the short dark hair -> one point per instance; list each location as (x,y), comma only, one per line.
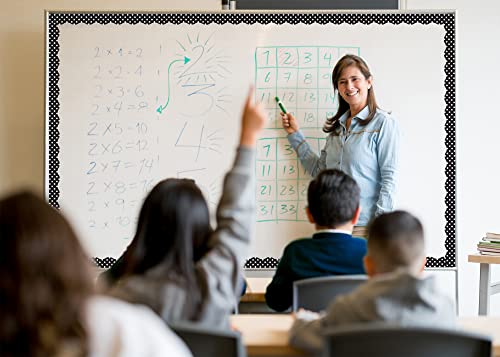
(396,240)
(333,198)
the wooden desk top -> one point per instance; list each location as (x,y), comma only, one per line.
(265,335)
(256,290)
(268,334)
(488,259)
(486,325)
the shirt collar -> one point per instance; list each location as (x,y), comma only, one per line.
(343,231)
(362,115)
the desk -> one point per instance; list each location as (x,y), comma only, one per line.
(256,290)
(254,300)
(267,335)
(486,288)
(486,325)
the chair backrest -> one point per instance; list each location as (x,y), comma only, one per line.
(315,294)
(208,342)
(377,340)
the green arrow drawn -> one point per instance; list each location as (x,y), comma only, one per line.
(161,108)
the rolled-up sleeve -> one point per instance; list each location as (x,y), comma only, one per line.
(387,156)
(308,157)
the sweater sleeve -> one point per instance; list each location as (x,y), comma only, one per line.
(279,293)
(222,265)
(307,335)
(387,156)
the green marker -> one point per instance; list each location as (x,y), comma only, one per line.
(282,107)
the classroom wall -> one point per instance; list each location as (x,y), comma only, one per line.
(478,171)
(22,101)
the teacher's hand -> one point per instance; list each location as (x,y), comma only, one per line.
(289,123)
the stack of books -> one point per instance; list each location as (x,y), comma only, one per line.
(490,244)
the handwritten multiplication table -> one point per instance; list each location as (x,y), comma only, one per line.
(281,180)
(301,77)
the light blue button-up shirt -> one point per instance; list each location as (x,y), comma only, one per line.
(369,154)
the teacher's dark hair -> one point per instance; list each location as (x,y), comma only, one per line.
(173,232)
(346,61)
(45,280)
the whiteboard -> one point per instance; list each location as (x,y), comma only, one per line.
(134,98)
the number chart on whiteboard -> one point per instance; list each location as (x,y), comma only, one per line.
(136,98)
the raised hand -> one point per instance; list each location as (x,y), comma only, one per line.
(252,121)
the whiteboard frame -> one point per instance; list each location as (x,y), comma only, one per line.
(443,17)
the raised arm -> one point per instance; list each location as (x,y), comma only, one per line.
(235,213)
(309,159)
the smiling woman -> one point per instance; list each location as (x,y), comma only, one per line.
(363,140)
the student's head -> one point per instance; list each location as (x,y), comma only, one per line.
(395,241)
(172,234)
(333,199)
(44,279)
(173,228)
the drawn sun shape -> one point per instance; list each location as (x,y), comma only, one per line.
(200,142)
(204,75)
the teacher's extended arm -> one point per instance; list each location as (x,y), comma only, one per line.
(309,159)
(387,156)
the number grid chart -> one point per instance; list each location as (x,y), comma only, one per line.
(301,77)
(281,180)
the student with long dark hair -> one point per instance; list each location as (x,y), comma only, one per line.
(176,264)
(47,303)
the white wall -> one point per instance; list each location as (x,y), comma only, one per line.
(478,171)
(478,53)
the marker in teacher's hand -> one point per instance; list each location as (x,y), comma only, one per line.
(282,107)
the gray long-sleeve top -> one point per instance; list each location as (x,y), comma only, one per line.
(218,272)
(398,298)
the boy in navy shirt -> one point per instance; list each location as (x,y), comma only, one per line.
(333,207)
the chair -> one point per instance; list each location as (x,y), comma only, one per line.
(315,294)
(378,339)
(208,342)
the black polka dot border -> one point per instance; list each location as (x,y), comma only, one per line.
(447,20)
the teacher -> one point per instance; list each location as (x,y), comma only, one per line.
(362,140)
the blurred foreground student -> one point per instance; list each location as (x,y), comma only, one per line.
(47,304)
(176,264)
(333,207)
(396,292)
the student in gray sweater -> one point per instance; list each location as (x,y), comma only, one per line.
(396,292)
(176,264)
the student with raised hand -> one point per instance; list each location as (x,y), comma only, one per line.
(396,291)
(48,307)
(333,207)
(176,264)
(362,140)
